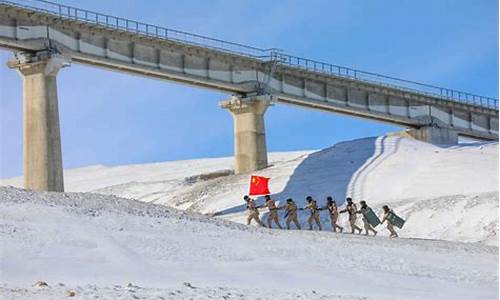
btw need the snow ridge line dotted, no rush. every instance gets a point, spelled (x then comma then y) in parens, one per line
(99, 204)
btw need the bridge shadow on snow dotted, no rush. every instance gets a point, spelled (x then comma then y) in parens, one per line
(338, 171)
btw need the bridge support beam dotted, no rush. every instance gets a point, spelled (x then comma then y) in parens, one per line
(434, 135)
(250, 149)
(43, 170)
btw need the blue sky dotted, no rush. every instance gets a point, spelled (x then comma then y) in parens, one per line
(111, 118)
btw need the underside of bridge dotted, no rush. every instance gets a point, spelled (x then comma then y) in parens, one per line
(44, 42)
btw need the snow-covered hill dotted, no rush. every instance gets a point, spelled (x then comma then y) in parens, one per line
(94, 245)
(444, 193)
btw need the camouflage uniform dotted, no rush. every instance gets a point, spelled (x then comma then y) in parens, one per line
(390, 226)
(273, 213)
(253, 213)
(334, 215)
(351, 209)
(313, 207)
(366, 224)
(291, 214)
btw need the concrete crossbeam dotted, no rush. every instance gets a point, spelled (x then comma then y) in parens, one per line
(434, 135)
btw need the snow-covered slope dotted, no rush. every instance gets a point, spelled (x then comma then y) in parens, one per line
(444, 193)
(94, 245)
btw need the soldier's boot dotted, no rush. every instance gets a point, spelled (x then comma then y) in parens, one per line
(373, 230)
(252, 217)
(367, 228)
(354, 227)
(318, 223)
(287, 222)
(297, 223)
(391, 230)
(310, 222)
(278, 223)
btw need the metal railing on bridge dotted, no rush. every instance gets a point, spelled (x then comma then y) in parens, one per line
(272, 54)
(379, 79)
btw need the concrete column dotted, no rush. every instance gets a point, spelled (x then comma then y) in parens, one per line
(43, 170)
(250, 150)
(434, 135)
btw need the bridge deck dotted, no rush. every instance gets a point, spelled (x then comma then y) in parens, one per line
(271, 54)
(150, 50)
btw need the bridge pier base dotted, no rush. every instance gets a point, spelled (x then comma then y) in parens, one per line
(434, 135)
(250, 149)
(42, 166)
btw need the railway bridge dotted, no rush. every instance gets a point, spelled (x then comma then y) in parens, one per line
(46, 37)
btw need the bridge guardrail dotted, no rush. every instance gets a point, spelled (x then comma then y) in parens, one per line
(73, 13)
(392, 82)
(271, 54)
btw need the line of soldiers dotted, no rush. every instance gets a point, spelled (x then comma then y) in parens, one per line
(291, 209)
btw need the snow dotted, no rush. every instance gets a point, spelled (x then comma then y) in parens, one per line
(446, 193)
(96, 244)
(184, 291)
(99, 242)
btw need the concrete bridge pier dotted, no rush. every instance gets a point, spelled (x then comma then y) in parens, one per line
(434, 135)
(43, 170)
(250, 149)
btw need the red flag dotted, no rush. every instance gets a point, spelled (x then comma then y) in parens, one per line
(258, 185)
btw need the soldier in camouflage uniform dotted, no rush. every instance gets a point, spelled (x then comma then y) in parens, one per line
(290, 213)
(331, 206)
(313, 207)
(253, 211)
(351, 209)
(273, 212)
(390, 226)
(366, 224)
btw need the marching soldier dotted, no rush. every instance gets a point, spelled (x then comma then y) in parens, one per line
(273, 212)
(390, 226)
(290, 213)
(363, 210)
(351, 209)
(313, 207)
(334, 213)
(253, 211)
